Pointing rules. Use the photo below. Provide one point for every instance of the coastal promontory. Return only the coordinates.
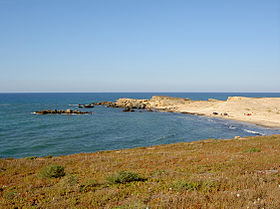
(263, 111)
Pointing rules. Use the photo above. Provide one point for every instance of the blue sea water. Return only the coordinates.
(25, 134)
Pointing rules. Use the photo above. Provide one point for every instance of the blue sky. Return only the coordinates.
(139, 45)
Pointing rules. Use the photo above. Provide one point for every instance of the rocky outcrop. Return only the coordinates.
(266, 110)
(237, 98)
(128, 109)
(68, 111)
(134, 103)
(156, 102)
(104, 103)
(166, 101)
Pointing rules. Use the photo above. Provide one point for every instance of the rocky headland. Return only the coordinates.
(261, 111)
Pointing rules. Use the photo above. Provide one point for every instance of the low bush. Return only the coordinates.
(203, 186)
(122, 177)
(253, 149)
(52, 171)
(90, 185)
(10, 194)
(70, 181)
(31, 158)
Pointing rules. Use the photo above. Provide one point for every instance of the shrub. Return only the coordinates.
(122, 177)
(70, 181)
(90, 185)
(31, 158)
(203, 186)
(52, 171)
(9, 194)
(253, 149)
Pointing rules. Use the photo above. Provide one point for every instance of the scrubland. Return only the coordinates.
(235, 173)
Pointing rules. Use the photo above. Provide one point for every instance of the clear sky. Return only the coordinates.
(139, 45)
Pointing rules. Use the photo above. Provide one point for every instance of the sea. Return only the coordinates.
(23, 133)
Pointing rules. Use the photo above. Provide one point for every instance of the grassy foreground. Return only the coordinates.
(237, 173)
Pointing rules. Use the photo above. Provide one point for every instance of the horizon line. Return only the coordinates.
(18, 92)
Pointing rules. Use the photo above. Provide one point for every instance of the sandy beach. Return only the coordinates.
(260, 111)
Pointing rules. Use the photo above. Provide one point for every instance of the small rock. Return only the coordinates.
(88, 106)
(128, 109)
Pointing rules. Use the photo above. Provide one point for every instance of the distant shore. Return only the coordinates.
(263, 111)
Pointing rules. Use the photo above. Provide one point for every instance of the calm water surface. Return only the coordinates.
(25, 134)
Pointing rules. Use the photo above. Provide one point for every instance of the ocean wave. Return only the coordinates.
(254, 132)
(232, 127)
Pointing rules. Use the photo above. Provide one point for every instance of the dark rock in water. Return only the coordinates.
(140, 106)
(225, 114)
(88, 106)
(68, 111)
(149, 110)
(215, 113)
(128, 109)
(113, 105)
(107, 103)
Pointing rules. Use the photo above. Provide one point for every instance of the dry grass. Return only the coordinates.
(240, 173)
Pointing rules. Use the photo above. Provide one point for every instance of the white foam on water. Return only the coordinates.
(253, 132)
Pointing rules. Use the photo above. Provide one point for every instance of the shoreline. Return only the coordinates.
(263, 111)
(232, 119)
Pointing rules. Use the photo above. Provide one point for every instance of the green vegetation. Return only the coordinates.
(253, 149)
(31, 158)
(196, 185)
(52, 171)
(239, 173)
(9, 194)
(90, 185)
(122, 177)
